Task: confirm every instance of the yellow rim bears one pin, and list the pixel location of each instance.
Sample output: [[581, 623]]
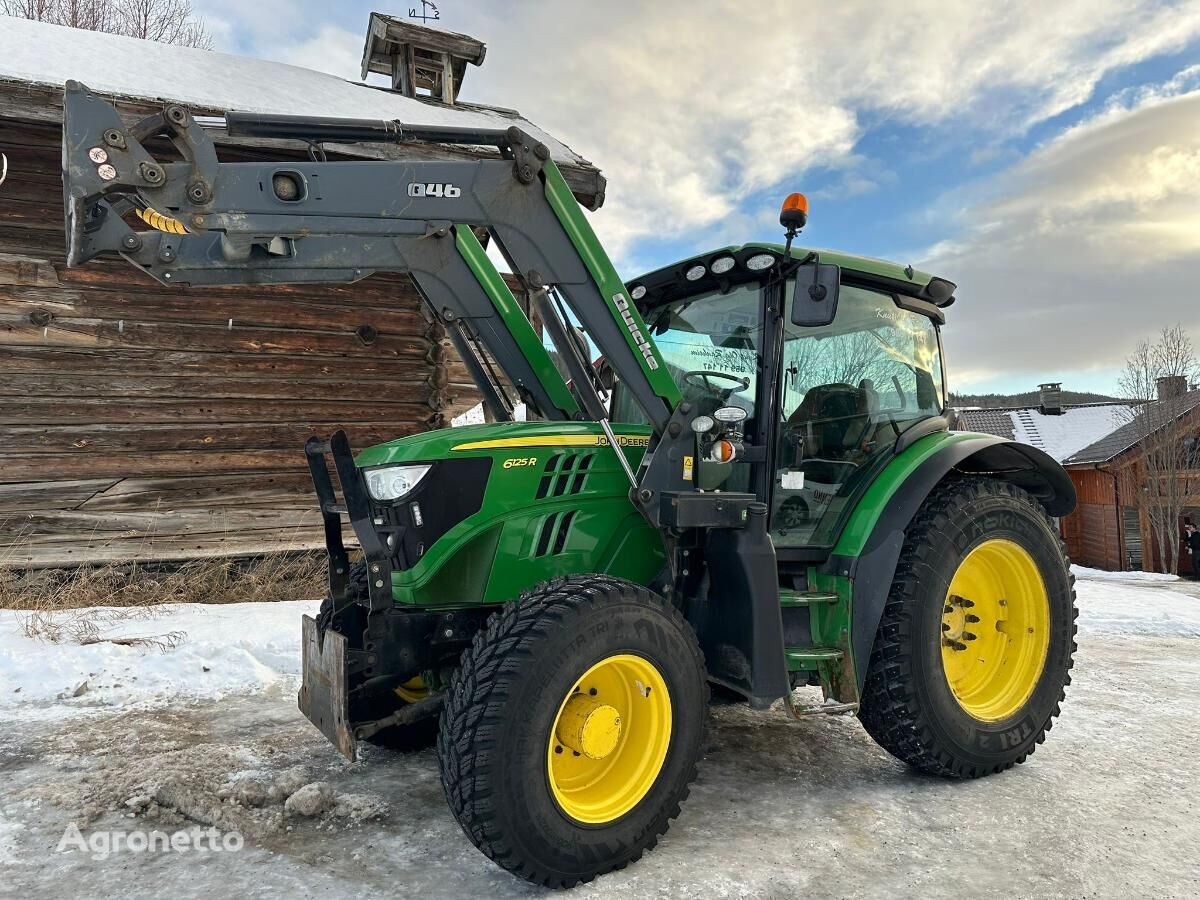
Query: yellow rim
[[995, 630], [412, 690], [609, 739]]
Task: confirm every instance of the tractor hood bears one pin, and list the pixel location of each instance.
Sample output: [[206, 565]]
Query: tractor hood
[[512, 438]]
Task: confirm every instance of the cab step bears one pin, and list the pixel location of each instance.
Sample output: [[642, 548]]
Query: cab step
[[805, 598], [811, 657]]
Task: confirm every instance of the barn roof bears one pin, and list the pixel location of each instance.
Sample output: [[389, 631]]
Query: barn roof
[[1127, 436], [124, 67], [1058, 435]]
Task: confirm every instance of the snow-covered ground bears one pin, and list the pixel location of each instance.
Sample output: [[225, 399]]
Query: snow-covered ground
[[1124, 577], [221, 650], [245, 648], [207, 734]]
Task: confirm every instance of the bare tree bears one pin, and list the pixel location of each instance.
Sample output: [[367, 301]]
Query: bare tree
[[1159, 427], [165, 21]]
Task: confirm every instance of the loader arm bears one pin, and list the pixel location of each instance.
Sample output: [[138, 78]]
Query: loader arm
[[215, 223]]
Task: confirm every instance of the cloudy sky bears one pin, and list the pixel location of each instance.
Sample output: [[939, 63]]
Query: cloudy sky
[[1045, 156]]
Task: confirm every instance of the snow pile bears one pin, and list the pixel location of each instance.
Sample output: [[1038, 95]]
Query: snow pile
[[8, 840], [226, 649], [1109, 608], [1134, 577]]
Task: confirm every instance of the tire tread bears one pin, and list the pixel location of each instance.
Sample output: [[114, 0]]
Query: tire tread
[[890, 711], [473, 711]]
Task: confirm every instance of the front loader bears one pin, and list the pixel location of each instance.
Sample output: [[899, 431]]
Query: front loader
[[754, 488]]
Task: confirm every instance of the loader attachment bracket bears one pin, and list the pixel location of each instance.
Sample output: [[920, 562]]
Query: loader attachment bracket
[[323, 691]]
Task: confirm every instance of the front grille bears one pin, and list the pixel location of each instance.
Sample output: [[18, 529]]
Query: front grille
[[553, 537], [564, 474]]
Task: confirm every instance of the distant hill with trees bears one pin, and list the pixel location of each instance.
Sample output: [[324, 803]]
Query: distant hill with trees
[[1029, 398]]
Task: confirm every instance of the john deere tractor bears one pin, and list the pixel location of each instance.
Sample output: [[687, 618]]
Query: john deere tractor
[[738, 476]]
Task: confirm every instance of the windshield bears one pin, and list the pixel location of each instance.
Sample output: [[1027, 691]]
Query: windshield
[[711, 344]]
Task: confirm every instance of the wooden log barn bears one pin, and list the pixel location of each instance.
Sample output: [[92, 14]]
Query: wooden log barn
[[144, 423]]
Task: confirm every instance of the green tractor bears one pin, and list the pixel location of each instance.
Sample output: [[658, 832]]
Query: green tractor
[[755, 488]]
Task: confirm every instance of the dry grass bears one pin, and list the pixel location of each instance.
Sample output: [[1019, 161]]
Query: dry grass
[[283, 576], [78, 605]]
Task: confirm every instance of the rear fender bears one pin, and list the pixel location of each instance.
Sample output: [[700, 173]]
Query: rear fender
[[869, 550]]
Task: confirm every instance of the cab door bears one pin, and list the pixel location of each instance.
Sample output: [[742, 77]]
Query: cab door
[[845, 393]]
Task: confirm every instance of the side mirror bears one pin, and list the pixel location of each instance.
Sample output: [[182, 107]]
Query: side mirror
[[816, 298]]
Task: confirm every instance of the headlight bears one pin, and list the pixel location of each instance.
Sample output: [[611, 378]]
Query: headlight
[[695, 273], [722, 264], [730, 415], [760, 261], [393, 482], [638, 291]]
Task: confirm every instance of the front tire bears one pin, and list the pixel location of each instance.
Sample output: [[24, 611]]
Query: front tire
[[573, 728], [975, 646]]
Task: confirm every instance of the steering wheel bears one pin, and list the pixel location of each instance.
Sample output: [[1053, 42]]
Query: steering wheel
[[706, 374]]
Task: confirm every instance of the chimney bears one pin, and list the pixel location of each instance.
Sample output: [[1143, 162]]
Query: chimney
[[420, 61], [1050, 398], [1171, 386]]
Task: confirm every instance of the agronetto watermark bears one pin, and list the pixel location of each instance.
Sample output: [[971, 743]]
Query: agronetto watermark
[[101, 844]]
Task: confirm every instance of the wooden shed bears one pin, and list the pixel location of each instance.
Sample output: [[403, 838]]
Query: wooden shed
[[1110, 528], [138, 422]]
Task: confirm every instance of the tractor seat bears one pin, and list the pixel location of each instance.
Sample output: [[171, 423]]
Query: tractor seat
[[835, 420]]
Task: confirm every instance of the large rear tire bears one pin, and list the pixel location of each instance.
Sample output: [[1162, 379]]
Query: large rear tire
[[975, 646], [573, 727]]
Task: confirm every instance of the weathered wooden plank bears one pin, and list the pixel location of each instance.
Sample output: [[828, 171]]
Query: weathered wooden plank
[[47, 466], [138, 361], [34, 215], [413, 389], [276, 490], [25, 240], [86, 332], [139, 411], [66, 524], [46, 495], [163, 547], [27, 270], [78, 440], [200, 308]]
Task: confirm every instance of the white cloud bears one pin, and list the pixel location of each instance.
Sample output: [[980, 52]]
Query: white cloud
[[1085, 246], [331, 49], [689, 105]]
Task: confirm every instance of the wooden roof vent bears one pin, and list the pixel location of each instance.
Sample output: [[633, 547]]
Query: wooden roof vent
[[420, 61]]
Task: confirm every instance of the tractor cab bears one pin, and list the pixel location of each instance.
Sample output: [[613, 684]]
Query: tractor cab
[[818, 412]]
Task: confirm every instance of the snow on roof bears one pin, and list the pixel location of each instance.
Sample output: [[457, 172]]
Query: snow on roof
[[129, 67], [1059, 435], [1129, 434]]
